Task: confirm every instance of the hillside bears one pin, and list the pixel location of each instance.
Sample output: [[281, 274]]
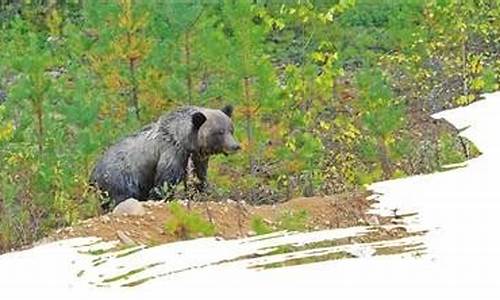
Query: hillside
[[456, 258], [329, 96]]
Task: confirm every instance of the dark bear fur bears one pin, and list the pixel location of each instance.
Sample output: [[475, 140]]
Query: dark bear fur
[[142, 165]]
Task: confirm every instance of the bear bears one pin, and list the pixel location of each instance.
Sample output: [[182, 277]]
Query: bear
[[146, 164]]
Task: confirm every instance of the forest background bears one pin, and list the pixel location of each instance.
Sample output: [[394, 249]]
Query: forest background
[[329, 95]]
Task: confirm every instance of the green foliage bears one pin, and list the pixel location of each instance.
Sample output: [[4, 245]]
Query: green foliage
[[288, 220], [259, 226], [449, 153], [374, 27], [382, 114], [293, 221], [185, 224], [449, 58], [328, 95], [381, 117]]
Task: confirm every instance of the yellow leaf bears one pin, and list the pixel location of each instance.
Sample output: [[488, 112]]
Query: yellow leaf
[[54, 21], [324, 125], [318, 56], [7, 131]]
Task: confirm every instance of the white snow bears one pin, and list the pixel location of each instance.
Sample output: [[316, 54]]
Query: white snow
[[461, 260]]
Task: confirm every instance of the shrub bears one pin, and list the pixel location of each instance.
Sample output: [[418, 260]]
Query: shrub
[[185, 224], [293, 221], [259, 226]]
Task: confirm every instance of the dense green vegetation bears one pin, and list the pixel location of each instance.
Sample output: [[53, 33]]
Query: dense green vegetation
[[185, 224], [329, 95], [288, 220]]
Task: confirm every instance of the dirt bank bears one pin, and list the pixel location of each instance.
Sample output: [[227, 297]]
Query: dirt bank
[[231, 219]]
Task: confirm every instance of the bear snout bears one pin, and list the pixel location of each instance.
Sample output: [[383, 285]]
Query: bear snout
[[232, 147], [236, 147]]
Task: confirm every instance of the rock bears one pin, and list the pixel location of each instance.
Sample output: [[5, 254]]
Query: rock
[[267, 221], [105, 219], [373, 220], [251, 233], [150, 203], [362, 251], [129, 207], [124, 238], [43, 241]]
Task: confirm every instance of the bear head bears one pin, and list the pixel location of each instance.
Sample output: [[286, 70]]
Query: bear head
[[215, 135]]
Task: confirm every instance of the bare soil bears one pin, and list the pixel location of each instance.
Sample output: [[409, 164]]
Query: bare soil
[[231, 219]]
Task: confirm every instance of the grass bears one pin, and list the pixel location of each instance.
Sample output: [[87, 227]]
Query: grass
[[293, 221], [306, 260], [96, 252], [130, 273], [185, 224], [138, 282], [130, 252], [288, 221], [418, 248], [259, 226]]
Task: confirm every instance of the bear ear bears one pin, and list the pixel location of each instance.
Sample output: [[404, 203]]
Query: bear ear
[[198, 120], [228, 110]]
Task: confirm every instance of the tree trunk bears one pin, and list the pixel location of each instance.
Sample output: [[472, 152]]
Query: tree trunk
[[133, 95], [464, 67], [189, 79], [133, 81], [39, 116], [385, 161], [249, 130]]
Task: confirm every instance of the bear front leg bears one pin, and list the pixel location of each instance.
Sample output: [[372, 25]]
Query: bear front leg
[[169, 172], [201, 169]]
